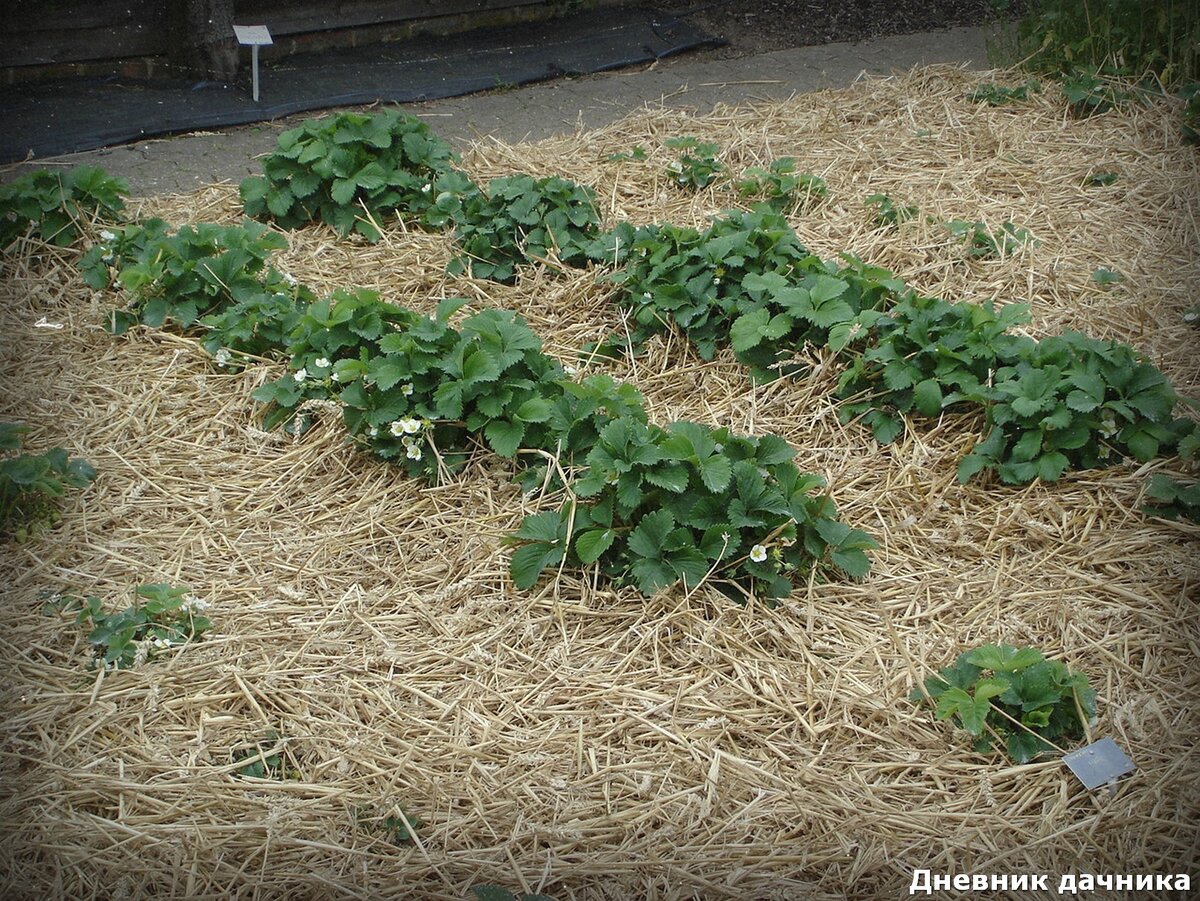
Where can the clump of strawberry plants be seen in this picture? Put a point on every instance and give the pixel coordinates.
(208, 275)
(925, 355)
(1075, 402)
(781, 187)
(691, 503)
(1012, 700)
(745, 281)
(31, 483)
(519, 219)
(350, 171)
(55, 206)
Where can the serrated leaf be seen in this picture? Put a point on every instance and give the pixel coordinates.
(528, 561)
(927, 397)
(647, 539)
(504, 436)
(592, 543)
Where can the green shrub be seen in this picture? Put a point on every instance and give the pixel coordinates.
(350, 171)
(1173, 499)
(54, 206)
(697, 167)
(1010, 699)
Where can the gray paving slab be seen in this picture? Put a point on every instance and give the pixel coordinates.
(184, 162)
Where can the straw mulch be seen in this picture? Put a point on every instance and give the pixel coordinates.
(587, 742)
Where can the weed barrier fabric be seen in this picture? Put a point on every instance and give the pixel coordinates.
(82, 114)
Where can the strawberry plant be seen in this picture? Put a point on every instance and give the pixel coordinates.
(780, 187)
(262, 759)
(924, 356)
(1011, 699)
(1088, 94)
(984, 243)
(1173, 499)
(162, 617)
(697, 167)
(519, 219)
(30, 483)
(500, 893)
(199, 271)
(1074, 402)
(54, 207)
(690, 503)
(994, 94)
(888, 212)
(350, 171)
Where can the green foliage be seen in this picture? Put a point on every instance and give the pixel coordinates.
(1075, 402)
(30, 483)
(350, 171)
(691, 503)
(984, 243)
(209, 276)
(634, 154)
(1099, 179)
(994, 94)
(54, 207)
(162, 617)
(746, 281)
(1128, 38)
(499, 893)
(780, 187)
(926, 355)
(697, 167)
(1011, 699)
(1173, 499)
(1089, 94)
(520, 219)
(262, 759)
(887, 212)
(1105, 277)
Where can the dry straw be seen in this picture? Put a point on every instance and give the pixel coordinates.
(587, 742)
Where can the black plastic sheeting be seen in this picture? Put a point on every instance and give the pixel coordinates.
(85, 113)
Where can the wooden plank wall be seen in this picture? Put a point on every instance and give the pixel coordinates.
(45, 32)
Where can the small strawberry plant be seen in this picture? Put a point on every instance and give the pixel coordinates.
(30, 483)
(1088, 93)
(984, 243)
(889, 213)
(162, 617)
(55, 207)
(780, 187)
(262, 759)
(994, 94)
(1010, 699)
(697, 167)
(1173, 499)
(520, 219)
(350, 171)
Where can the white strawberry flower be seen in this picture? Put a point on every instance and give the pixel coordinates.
(413, 452)
(222, 357)
(758, 553)
(322, 363)
(107, 236)
(406, 389)
(300, 375)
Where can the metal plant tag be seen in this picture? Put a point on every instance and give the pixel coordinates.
(1099, 763)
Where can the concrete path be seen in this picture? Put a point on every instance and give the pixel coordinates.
(182, 163)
